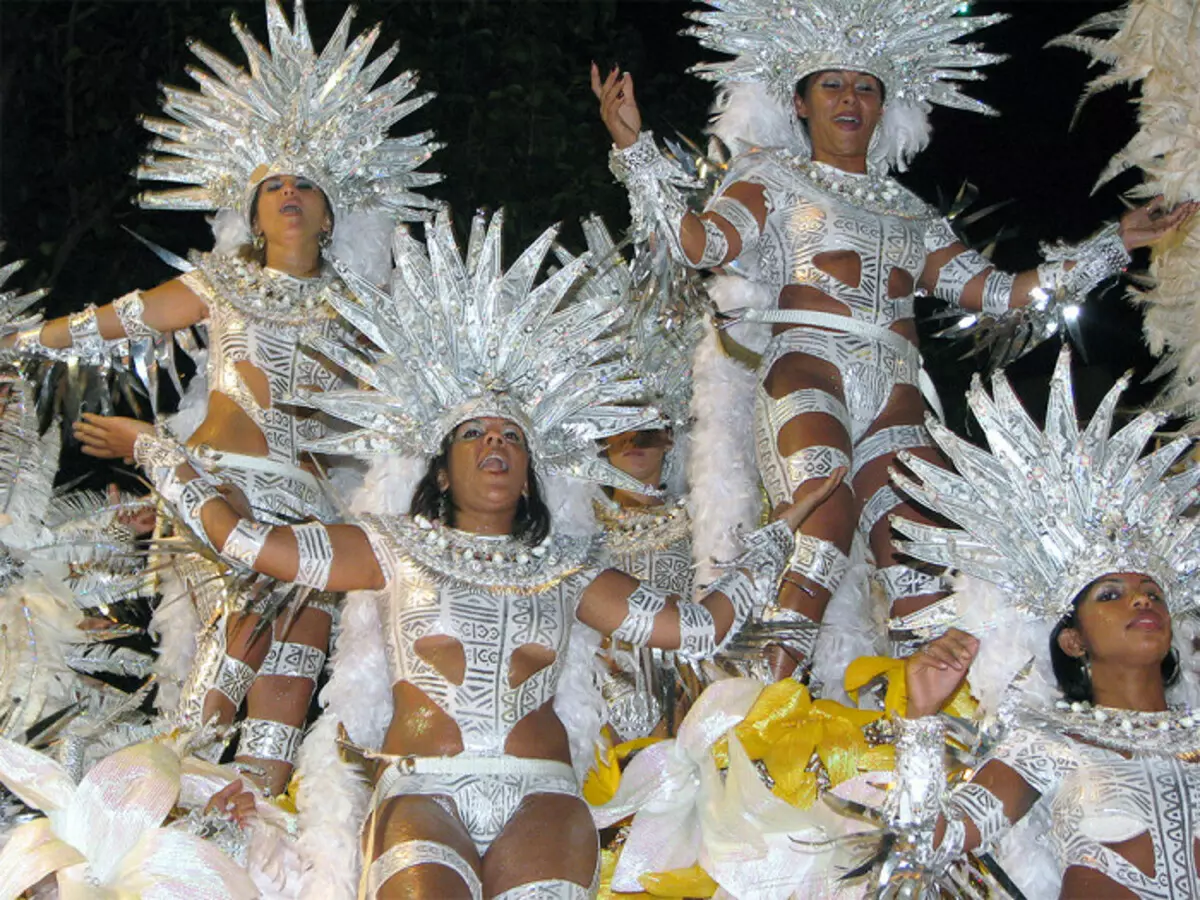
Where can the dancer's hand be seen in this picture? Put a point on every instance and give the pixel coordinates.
(1148, 224)
(109, 437)
(795, 514)
(618, 107)
(234, 801)
(140, 519)
(934, 672)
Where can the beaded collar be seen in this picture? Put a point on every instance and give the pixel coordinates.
(266, 294)
(499, 563)
(1174, 732)
(634, 529)
(873, 193)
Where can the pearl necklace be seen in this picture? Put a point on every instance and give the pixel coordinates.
(869, 192)
(630, 529)
(499, 562)
(1173, 732)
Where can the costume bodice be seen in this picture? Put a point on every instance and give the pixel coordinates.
(492, 595)
(654, 544)
(1097, 797)
(813, 208)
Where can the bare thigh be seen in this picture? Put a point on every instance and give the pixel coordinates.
(414, 818)
(550, 836)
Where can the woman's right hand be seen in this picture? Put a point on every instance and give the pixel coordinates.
(109, 437)
(934, 672)
(618, 107)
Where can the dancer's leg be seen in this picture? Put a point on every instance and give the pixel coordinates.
(547, 851)
(421, 851)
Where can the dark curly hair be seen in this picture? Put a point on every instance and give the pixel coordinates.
(1071, 672)
(531, 524)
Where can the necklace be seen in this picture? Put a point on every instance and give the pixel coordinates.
(873, 193)
(1172, 732)
(630, 529)
(269, 295)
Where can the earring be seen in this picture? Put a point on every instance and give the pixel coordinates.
(260, 242)
(444, 507)
(325, 240)
(1087, 668)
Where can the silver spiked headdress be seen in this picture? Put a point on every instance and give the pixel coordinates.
(911, 46)
(295, 112)
(458, 338)
(14, 306)
(1048, 511)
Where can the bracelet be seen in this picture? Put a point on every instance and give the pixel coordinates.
(130, 310)
(84, 330)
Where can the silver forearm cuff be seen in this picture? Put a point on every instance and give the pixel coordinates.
(314, 555)
(697, 631)
(129, 310)
(84, 330)
(152, 452)
(1100, 257)
(645, 603)
(234, 679)
(657, 205)
(716, 246)
(957, 272)
(245, 542)
(997, 292)
(915, 800)
(264, 739)
(294, 660)
(982, 807)
(737, 214)
(29, 340)
(192, 498)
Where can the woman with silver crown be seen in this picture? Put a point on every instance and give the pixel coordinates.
(820, 101)
(1080, 568)
(455, 672)
(285, 152)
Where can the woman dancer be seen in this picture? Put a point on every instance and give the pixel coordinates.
(284, 152)
(476, 794)
(1089, 551)
(821, 102)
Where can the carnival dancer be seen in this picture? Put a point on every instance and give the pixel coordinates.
(820, 102)
(283, 152)
(1083, 558)
(493, 385)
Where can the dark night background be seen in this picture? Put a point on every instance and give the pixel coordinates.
(522, 132)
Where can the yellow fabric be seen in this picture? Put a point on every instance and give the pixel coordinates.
(678, 884)
(602, 780)
(866, 669)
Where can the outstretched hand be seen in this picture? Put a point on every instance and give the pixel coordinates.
(618, 107)
(934, 672)
(795, 514)
(1148, 224)
(233, 801)
(109, 437)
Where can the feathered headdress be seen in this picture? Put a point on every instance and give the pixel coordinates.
(911, 46)
(459, 338)
(1048, 511)
(297, 113)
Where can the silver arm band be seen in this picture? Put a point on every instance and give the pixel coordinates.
(85, 330)
(153, 452)
(315, 555)
(645, 603)
(234, 679)
(29, 340)
(697, 631)
(915, 800)
(716, 246)
(939, 235)
(265, 739)
(657, 205)
(737, 214)
(294, 659)
(129, 310)
(245, 542)
(997, 292)
(957, 272)
(819, 561)
(984, 809)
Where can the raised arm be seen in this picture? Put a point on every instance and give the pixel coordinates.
(958, 275)
(618, 604)
(706, 240)
(325, 557)
(169, 307)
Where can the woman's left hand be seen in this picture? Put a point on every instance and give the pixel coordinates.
(109, 437)
(233, 801)
(1148, 224)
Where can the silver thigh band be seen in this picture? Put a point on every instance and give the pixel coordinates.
(820, 561)
(234, 679)
(645, 603)
(265, 739)
(245, 542)
(482, 791)
(900, 581)
(549, 889)
(407, 854)
(293, 660)
(798, 403)
(885, 441)
(881, 503)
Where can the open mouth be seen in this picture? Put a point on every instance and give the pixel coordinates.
(291, 209)
(494, 462)
(1146, 622)
(847, 121)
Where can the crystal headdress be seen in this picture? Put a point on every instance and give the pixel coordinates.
(295, 112)
(1047, 512)
(909, 45)
(459, 338)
